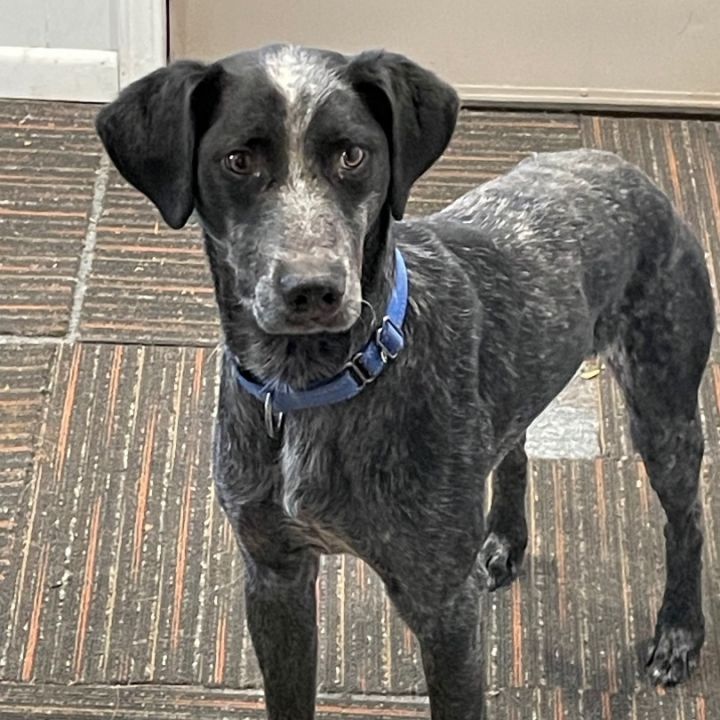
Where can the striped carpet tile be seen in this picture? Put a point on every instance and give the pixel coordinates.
(130, 572)
(119, 566)
(92, 702)
(615, 439)
(49, 158)
(710, 410)
(148, 284)
(585, 606)
(23, 380)
(486, 144)
(122, 512)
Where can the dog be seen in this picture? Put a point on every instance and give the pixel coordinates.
(376, 370)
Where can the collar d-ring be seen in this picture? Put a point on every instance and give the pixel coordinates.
(273, 421)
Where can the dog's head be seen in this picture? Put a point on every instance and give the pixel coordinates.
(289, 156)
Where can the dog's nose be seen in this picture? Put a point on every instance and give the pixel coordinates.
(316, 297)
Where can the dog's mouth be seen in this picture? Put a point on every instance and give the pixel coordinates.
(276, 323)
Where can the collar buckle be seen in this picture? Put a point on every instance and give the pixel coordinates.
(360, 373)
(389, 338)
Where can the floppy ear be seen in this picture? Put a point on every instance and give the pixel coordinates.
(150, 134)
(416, 109)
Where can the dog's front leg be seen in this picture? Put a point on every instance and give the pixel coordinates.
(449, 636)
(281, 618)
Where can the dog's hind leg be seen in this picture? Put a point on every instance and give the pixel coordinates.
(504, 547)
(665, 333)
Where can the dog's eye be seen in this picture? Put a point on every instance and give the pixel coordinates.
(352, 158)
(240, 162)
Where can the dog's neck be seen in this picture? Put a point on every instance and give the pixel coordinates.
(300, 360)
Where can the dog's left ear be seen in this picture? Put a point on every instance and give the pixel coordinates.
(416, 109)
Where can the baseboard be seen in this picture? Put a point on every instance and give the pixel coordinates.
(92, 76)
(590, 98)
(58, 74)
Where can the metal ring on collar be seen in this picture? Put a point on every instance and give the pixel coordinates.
(272, 425)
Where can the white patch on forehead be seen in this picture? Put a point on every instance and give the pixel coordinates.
(305, 80)
(302, 77)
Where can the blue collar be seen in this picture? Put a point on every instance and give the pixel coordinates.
(362, 369)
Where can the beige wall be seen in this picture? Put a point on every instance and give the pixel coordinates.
(650, 53)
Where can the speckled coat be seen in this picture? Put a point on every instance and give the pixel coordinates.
(511, 287)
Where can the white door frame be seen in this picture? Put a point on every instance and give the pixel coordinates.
(142, 38)
(49, 73)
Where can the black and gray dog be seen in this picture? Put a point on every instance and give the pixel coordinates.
(375, 371)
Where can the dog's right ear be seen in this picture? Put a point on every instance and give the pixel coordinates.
(150, 133)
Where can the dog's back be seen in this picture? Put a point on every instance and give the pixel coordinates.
(587, 227)
(557, 249)
(584, 219)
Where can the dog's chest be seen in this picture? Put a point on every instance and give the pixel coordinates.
(310, 498)
(300, 462)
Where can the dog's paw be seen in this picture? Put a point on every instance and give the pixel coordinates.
(500, 561)
(673, 655)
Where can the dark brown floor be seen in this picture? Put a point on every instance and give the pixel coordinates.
(120, 587)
